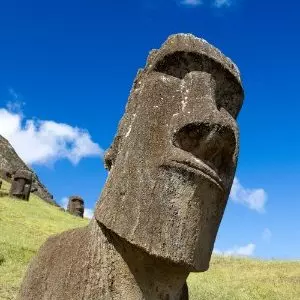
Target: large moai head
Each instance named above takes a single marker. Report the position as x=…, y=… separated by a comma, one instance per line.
x=21, y=184
x=76, y=206
x=173, y=160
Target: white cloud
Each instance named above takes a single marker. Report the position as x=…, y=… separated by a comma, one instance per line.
x=267, y=235
x=216, y=3
x=191, y=2
x=247, y=250
x=88, y=212
x=252, y=198
x=64, y=202
x=222, y=3
x=44, y=142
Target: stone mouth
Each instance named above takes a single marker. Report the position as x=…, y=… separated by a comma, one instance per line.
x=199, y=168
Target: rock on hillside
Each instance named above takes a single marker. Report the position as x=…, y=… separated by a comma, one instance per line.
x=11, y=162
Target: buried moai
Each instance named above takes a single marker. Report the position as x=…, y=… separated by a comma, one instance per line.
x=21, y=185
x=171, y=165
x=76, y=206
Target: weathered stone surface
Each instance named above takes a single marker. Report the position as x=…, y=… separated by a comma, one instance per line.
x=10, y=162
x=33, y=189
x=175, y=153
x=23, y=174
x=21, y=184
x=171, y=166
x=76, y=206
x=93, y=263
x=6, y=175
x=27, y=191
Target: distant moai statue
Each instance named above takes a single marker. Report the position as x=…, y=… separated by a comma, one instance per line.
x=21, y=184
x=172, y=164
x=76, y=206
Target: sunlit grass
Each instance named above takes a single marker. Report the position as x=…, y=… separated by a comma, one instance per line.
x=246, y=279
x=24, y=226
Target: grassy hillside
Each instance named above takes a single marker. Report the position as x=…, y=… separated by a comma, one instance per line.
x=246, y=279
x=24, y=226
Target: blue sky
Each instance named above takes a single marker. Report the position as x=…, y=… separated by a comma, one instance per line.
x=67, y=68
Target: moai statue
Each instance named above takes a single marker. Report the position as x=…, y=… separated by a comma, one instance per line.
x=76, y=206
x=172, y=165
x=21, y=184
x=0, y=184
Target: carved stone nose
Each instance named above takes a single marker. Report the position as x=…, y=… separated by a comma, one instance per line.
x=213, y=144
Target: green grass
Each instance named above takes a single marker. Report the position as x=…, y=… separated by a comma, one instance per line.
x=231, y=278
x=24, y=226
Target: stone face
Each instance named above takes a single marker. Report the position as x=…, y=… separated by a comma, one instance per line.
x=76, y=206
x=174, y=157
x=171, y=165
x=21, y=184
x=10, y=162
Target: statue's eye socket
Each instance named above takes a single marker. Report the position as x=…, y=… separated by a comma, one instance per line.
x=229, y=94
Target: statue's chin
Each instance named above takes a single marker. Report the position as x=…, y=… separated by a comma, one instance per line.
x=190, y=207
x=169, y=212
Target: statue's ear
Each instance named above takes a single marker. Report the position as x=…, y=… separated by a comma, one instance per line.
x=111, y=154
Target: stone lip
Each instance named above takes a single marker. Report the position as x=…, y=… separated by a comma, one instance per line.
x=10, y=163
x=200, y=169
x=190, y=43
